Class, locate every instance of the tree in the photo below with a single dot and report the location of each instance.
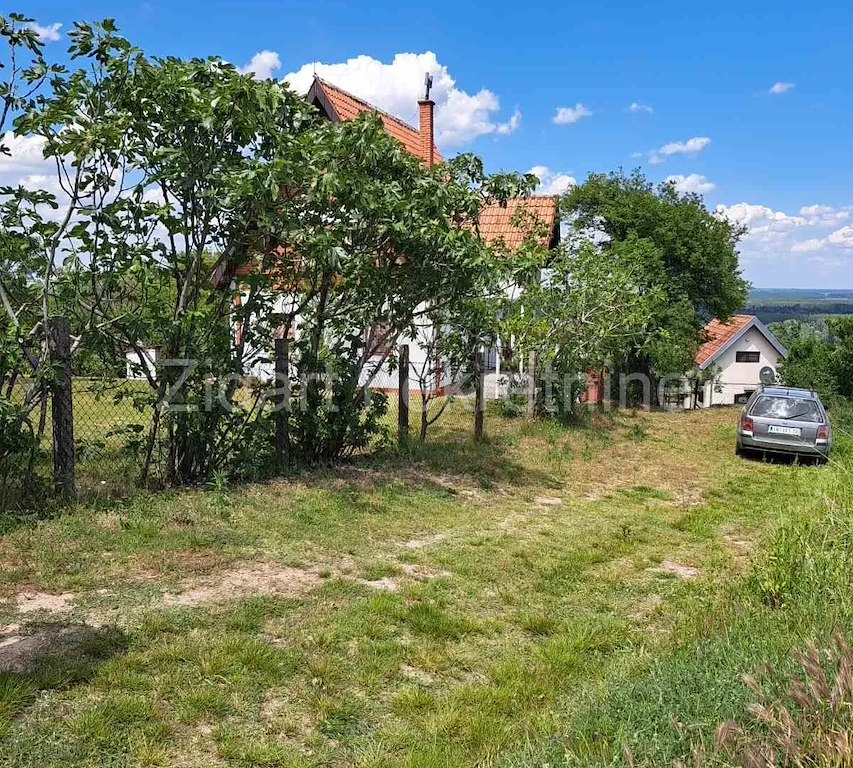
(584, 312)
(822, 363)
(23, 275)
(170, 168)
(690, 259)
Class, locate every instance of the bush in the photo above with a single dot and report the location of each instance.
(18, 453)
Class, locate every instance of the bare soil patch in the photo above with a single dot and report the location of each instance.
(247, 580)
(425, 542)
(21, 649)
(30, 602)
(548, 501)
(687, 572)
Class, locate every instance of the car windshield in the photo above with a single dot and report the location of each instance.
(791, 408)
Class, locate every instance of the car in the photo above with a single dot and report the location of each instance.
(785, 420)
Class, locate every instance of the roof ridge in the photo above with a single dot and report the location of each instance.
(368, 105)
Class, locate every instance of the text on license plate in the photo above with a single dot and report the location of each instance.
(795, 431)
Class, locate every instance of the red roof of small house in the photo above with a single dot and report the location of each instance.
(718, 334)
(510, 224)
(340, 105)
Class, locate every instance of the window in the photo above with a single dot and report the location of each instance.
(772, 407)
(747, 357)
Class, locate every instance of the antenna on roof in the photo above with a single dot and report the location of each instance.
(427, 85)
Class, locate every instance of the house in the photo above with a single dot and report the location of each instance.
(141, 363)
(733, 356)
(501, 227)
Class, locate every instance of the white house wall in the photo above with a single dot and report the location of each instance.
(736, 378)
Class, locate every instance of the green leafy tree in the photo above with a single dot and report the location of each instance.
(822, 363)
(690, 261)
(583, 313)
(171, 168)
(23, 348)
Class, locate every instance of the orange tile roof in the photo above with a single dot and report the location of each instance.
(512, 223)
(718, 334)
(349, 107)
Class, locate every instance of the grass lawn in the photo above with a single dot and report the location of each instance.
(548, 596)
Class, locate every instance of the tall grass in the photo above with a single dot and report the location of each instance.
(690, 706)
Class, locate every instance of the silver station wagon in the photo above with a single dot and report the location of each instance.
(784, 420)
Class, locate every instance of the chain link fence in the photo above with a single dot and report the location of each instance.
(89, 437)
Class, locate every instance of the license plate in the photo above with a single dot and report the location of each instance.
(794, 431)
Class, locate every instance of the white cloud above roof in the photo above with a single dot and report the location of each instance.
(552, 182)
(395, 86)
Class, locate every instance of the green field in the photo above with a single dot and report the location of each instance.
(584, 597)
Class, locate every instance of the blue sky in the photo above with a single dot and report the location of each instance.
(780, 162)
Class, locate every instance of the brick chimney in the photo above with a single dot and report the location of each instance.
(427, 131)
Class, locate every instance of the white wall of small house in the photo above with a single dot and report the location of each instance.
(734, 378)
(137, 365)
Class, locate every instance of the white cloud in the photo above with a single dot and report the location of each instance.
(841, 237)
(637, 107)
(511, 125)
(824, 215)
(262, 65)
(689, 147)
(807, 246)
(777, 89)
(25, 155)
(551, 182)
(692, 183)
(571, 115)
(460, 117)
(764, 223)
(808, 243)
(48, 34)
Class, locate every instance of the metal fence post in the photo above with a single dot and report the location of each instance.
(531, 385)
(62, 406)
(479, 400)
(403, 397)
(282, 402)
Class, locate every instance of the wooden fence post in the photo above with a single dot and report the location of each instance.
(62, 406)
(531, 385)
(403, 397)
(479, 399)
(282, 401)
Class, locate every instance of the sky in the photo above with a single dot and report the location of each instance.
(748, 103)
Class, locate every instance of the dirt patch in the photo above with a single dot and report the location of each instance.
(385, 584)
(416, 675)
(548, 501)
(687, 572)
(421, 572)
(30, 602)
(247, 580)
(739, 546)
(152, 566)
(646, 607)
(425, 542)
(392, 584)
(20, 649)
